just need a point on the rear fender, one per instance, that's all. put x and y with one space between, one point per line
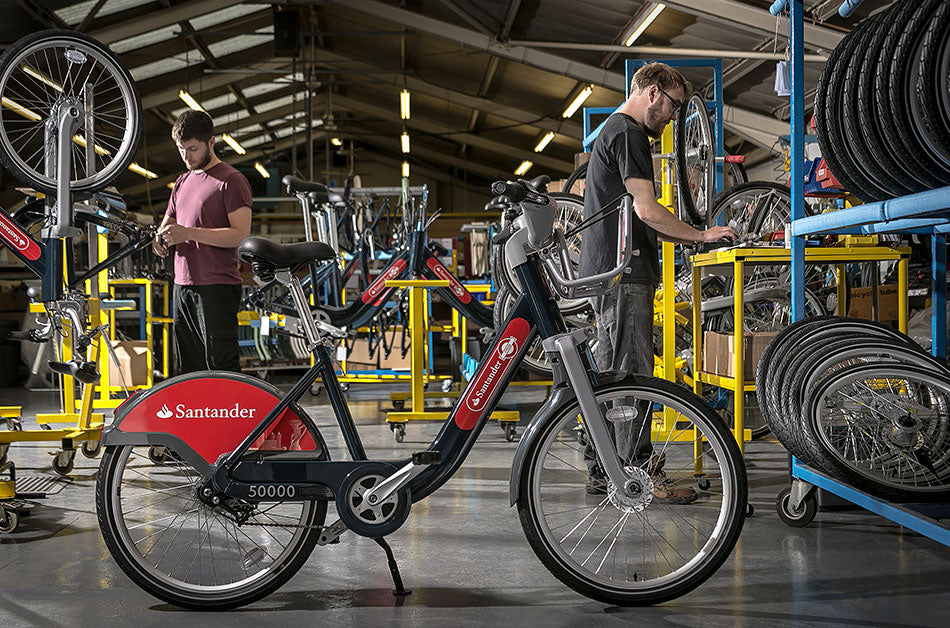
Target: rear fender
201 416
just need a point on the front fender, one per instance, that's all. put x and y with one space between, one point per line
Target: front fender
560 397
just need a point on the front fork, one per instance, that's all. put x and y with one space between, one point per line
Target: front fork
567 347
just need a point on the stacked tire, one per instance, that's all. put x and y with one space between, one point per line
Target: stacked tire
882 105
862 403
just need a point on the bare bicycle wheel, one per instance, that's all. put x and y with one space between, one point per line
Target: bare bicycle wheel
188 553
631 546
40 75
695 159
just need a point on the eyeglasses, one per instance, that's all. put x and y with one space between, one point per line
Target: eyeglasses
676 103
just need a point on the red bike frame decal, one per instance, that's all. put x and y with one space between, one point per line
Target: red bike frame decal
213 416
454 284
479 393
13 235
379 285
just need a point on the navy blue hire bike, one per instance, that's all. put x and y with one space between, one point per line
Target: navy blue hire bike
241 501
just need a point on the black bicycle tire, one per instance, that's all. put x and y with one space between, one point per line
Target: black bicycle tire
687 202
116 167
737 175
892 133
712 560
579 173
924 105
818 119
870 118
941 79
899 87
866 151
830 462
859 183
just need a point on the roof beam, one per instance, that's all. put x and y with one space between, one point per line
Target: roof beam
468 17
474 140
737 14
170 94
41 14
159 19
478 41
86 21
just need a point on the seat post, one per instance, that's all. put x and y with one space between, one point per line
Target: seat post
286 278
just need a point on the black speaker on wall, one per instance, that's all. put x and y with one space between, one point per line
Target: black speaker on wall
286 33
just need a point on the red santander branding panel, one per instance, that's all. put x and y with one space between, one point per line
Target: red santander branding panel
455 285
215 415
492 371
377 287
12 235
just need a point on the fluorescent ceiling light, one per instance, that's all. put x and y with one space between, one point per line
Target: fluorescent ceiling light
145 172
79 139
20 109
261 169
191 102
404 139
404 104
544 141
642 25
170 185
405 170
41 78
233 143
576 104
336 141
524 167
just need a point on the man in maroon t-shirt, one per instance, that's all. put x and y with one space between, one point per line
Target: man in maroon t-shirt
208 215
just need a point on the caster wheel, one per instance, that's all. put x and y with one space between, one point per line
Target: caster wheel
9 521
511 431
704 484
316 389
345 386
797 519
157 455
399 432
749 510
91 448
63 462
399 406
446 385
4 448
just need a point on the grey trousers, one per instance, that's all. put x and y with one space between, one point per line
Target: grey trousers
625 342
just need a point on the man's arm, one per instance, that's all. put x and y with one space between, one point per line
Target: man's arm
159 246
224 237
668 226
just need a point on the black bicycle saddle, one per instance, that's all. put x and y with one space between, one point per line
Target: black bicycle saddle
295 184
283 255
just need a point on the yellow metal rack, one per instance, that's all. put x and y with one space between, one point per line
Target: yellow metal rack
738 259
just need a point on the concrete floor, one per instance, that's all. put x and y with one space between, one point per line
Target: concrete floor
463 554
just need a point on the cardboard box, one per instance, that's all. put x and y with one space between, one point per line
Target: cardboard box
719 355
133 363
580 159
860 305
558 186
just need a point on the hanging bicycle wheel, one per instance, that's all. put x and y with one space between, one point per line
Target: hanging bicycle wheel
191 554
885 428
45 72
695 159
636 544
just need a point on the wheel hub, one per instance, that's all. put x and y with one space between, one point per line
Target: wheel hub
636 494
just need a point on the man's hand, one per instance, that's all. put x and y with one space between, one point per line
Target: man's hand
174 233
158 246
715 234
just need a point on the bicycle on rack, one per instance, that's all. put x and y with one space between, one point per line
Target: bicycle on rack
242 500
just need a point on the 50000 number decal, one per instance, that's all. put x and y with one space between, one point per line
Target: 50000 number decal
271 490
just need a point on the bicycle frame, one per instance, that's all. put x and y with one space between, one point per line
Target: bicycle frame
238 470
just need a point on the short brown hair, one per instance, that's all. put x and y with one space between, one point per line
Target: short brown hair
659 74
193 125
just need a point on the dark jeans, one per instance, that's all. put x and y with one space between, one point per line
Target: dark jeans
625 342
206 327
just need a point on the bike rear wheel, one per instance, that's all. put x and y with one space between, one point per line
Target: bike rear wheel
187 553
639 551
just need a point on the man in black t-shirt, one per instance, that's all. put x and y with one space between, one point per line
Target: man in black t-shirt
621 163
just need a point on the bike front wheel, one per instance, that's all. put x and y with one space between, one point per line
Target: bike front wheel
187 553
636 547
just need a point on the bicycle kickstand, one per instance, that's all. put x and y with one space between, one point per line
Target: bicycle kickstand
393 568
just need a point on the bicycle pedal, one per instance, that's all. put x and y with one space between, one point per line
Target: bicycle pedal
426 457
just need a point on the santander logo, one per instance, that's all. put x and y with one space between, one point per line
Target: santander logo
181 411
377 286
164 413
17 239
491 373
442 272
